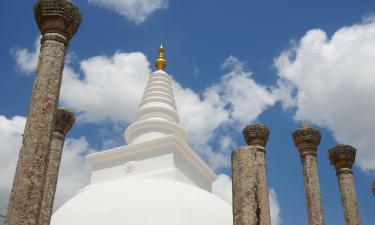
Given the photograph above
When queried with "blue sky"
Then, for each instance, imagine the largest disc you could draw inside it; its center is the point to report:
(236, 62)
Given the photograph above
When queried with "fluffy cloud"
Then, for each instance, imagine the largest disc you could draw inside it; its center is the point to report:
(112, 83)
(109, 88)
(116, 83)
(275, 208)
(221, 105)
(201, 116)
(135, 10)
(222, 187)
(27, 60)
(239, 91)
(74, 171)
(11, 131)
(333, 82)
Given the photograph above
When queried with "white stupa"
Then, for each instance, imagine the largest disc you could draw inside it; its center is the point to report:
(157, 179)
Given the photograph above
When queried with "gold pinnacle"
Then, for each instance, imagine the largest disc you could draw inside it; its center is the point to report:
(161, 63)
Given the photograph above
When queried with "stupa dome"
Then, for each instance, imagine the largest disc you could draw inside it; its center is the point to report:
(143, 202)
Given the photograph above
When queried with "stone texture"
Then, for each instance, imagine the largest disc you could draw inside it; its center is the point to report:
(307, 140)
(55, 19)
(57, 16)
(245, 203)
(342, 157)
(257, 136)
(64, 121)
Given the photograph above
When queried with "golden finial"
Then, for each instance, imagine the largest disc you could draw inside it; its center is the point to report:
(161, 63)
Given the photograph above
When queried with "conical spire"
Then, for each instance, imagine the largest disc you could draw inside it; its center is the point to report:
(161, 63)
(157, 113)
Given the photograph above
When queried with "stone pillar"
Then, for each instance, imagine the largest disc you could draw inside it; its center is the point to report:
(307, 140)
(64, 121)
(58, 20)
(257, 136)
(245, 204)
(342, 158)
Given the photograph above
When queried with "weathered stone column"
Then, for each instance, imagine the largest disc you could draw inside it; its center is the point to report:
(257, 136)
(245, 203)
(307, 140)
(58, 20)
(342, 158)
(64, 121)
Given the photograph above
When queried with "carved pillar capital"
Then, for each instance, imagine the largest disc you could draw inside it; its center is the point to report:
(64, 120)
(256, 134)
(342, 157)
(306, 140)
(57, 16)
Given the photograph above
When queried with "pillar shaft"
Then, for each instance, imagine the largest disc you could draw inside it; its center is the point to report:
(244, 166)
(57, 21)
(256, 136)
(53, 169)
(349, 199)
(312, 189)
(342, 157)
(307, 140)
(63, 122)
(28, 185)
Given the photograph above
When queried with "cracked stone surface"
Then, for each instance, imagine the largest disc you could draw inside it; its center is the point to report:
(256, 135)
(245, 203)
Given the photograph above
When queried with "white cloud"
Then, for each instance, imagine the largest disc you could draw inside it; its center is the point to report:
(201, 116)
(225, 104)
(109, 88)
(246, 98)
(26, 60)
(116, 83)
(227, 144)
(275, 208)
(11, 131)
(222, 187)
(112, 83)
(74, 169)
(334, 83)
(135, 10)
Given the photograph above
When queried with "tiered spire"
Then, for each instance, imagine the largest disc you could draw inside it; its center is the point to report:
(157, 114)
